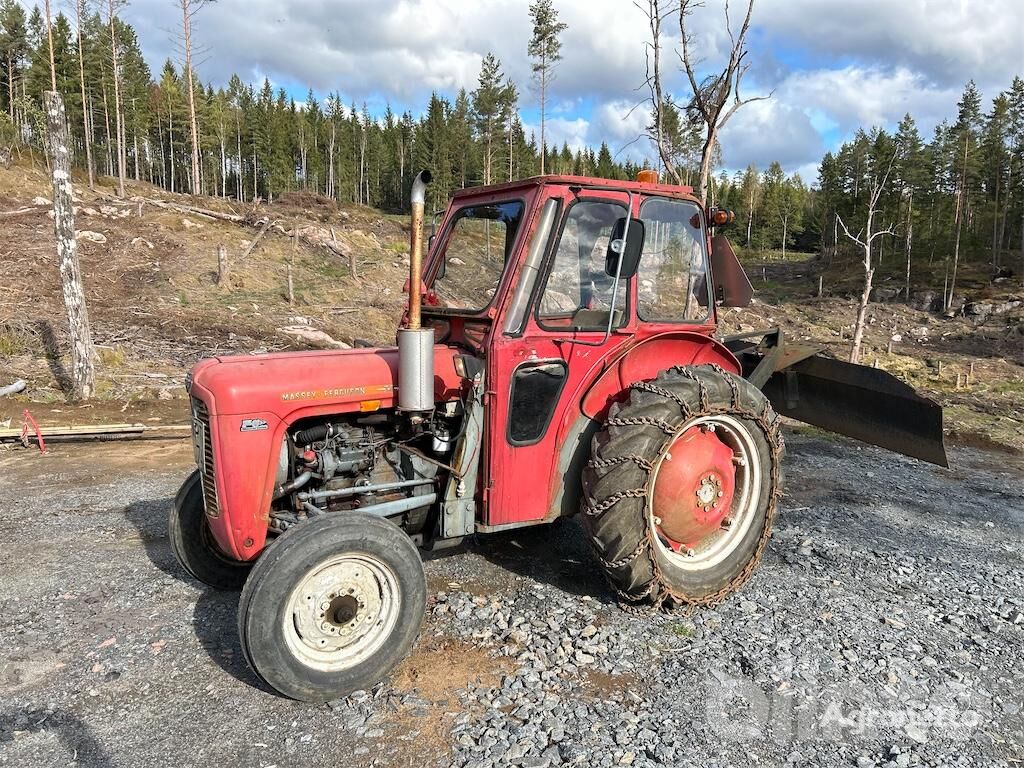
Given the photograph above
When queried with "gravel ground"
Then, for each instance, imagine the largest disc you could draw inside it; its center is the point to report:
(885, 626)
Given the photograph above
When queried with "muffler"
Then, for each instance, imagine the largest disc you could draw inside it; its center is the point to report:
(415, 343)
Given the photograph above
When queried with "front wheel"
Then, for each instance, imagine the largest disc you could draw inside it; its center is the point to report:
(681, 489)
(332, 606)
(193, 544)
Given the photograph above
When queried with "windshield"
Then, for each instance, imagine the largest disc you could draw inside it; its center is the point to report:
(479, 243)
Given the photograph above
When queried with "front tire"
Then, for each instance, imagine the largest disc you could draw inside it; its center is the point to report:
(332, 606)
(681, 489)
(193, 544)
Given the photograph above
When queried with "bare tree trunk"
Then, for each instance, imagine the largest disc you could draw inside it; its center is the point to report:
(10, 86)
(960, 209)
(49, 39)
(240, 177)
(85, 112)
(170, 141)
(110, 138)
(862, 307)
(186, 15)
(908, 243)
(117, 102)
(83, 372)
(864, 240)
(995, 221)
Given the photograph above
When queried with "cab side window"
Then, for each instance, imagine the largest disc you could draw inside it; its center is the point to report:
(672, 279)
(578, 292)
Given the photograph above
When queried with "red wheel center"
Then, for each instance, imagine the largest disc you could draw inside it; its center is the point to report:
(695, 486)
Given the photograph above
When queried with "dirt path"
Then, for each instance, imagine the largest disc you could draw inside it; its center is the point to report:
(885, 574)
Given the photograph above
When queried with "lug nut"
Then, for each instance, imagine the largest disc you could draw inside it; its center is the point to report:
(727, 523)
(720, 494)
(657, 521)
(690, 552)
(739, 461)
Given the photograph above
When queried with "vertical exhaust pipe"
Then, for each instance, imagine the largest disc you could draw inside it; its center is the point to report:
(415, 343)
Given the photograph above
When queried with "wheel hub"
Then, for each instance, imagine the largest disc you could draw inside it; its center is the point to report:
(339, 606)
(694, 489)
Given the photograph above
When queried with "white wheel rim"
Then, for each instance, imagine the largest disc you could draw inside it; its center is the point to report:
(746, 498)
(341, 612)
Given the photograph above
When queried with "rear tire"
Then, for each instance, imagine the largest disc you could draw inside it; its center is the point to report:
(188, 531)
(332, 606)
(682, 407)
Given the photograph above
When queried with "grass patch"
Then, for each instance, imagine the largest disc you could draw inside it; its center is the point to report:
(682, 630)
(111, 358)
(12, 343)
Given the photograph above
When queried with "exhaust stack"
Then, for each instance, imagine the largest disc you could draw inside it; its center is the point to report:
(415, 343)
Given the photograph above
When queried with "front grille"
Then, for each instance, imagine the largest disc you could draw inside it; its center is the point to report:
(203, 444)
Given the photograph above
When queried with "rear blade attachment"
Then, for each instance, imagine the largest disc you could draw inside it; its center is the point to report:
(864, 403)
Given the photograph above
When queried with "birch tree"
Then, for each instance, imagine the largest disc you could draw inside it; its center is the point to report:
(716, 97)
(864, 238)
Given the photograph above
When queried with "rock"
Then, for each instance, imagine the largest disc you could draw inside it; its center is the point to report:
(456, 261)
(925, 301)
(40, 201)
(143, 242)
(86, 211)
(885, 294)
(588, 631)
(189, 224)
(915, 732)
(93, 237)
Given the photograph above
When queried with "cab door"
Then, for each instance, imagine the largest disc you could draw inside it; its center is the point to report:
(551, 345)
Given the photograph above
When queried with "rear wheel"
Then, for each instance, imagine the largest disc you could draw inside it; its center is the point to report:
(188, 530)
(332, 606)
(681, 489)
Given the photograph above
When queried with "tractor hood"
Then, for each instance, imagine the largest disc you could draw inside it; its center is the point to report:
(311, 382)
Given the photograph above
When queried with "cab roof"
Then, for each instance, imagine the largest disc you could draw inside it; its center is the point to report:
(668, 190)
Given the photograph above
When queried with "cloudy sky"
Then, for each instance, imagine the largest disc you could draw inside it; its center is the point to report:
(834, 65)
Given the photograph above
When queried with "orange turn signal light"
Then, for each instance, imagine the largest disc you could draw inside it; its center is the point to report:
(366, 406)
(720, 216)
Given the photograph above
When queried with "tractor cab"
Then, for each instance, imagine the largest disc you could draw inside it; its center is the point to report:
(555, 283)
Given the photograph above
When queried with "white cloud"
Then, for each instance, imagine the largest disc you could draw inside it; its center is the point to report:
(834, 65)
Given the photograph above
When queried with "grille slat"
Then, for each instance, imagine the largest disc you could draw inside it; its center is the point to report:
(204, 455)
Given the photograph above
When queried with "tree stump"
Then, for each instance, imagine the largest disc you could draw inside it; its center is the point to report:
(222, 266)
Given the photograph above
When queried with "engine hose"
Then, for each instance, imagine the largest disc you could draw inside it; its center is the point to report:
(313, 434)
(285, 488)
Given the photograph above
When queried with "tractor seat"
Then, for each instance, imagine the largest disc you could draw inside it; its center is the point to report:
(594, 319)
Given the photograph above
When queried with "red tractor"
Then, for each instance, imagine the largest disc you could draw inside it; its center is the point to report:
(558, 355)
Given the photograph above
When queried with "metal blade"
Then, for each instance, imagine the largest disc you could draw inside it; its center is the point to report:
(864, 403)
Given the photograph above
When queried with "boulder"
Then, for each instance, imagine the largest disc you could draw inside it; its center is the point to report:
(92, 237)
(925, 301)
(885, 294)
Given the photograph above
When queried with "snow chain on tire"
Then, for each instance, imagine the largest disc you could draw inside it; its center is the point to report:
(657, 593)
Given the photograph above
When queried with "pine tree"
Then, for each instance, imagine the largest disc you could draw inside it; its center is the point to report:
(546, 51)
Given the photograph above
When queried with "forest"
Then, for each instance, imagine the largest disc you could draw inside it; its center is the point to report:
(958, 193)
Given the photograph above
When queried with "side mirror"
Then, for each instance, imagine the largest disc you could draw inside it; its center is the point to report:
(624, 257)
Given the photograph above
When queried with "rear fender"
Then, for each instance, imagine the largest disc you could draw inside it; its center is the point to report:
(644, 361)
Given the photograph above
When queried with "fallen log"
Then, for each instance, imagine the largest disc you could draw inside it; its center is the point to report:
(13, 389)
(256, 240)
